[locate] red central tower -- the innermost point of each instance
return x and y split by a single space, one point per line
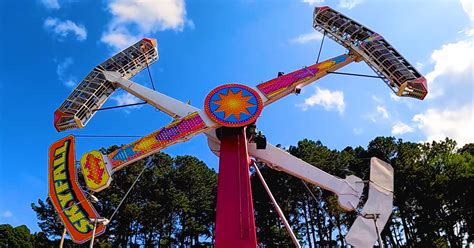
234 106
235 223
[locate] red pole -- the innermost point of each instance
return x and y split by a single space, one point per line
235 223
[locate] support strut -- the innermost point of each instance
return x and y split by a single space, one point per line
235 223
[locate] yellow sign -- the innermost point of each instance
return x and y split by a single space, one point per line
96 171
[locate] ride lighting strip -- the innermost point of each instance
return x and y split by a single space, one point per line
160 139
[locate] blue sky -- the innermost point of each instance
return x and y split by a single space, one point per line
48 46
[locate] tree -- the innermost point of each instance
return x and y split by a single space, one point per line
20 237
48 220
195 186
174 201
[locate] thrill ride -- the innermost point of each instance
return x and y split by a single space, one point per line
228 120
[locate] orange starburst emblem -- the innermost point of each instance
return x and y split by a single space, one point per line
233 105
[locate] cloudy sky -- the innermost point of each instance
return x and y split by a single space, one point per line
48 46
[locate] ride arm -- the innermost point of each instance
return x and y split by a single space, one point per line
94 164
293 82
348 190
164 103
378 207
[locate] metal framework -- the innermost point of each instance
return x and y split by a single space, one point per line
228 120
386 61
94 89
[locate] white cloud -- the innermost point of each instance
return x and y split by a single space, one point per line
132 19
394 97
61 68
70 83
453 123
468 7
452 59
329 100
469 32
127 98
401 128
453 62
63 28
357 131
313 2
376 99
383 112
61 71
349 4
379 115
50 4
305 38
346 4
150 15
7 214
451 114
119 40
419 66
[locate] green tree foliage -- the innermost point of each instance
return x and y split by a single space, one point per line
433 204
20 237
174 201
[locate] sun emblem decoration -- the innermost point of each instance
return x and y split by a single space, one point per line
95 168
233 105
96 174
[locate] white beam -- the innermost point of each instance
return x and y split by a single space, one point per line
168 105
348 190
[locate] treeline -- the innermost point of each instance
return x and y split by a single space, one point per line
173 204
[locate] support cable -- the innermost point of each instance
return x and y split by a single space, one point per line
149 73
147 164
310 191
341 73
145 51
321 46
354 74
314 197
277 208
119 106
133 104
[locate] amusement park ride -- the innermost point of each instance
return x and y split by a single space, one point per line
228 120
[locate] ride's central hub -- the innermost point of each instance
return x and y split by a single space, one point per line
233 105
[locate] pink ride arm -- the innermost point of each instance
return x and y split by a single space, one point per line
177 131
286 84
95 166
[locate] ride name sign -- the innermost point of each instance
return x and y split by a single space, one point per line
66 195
